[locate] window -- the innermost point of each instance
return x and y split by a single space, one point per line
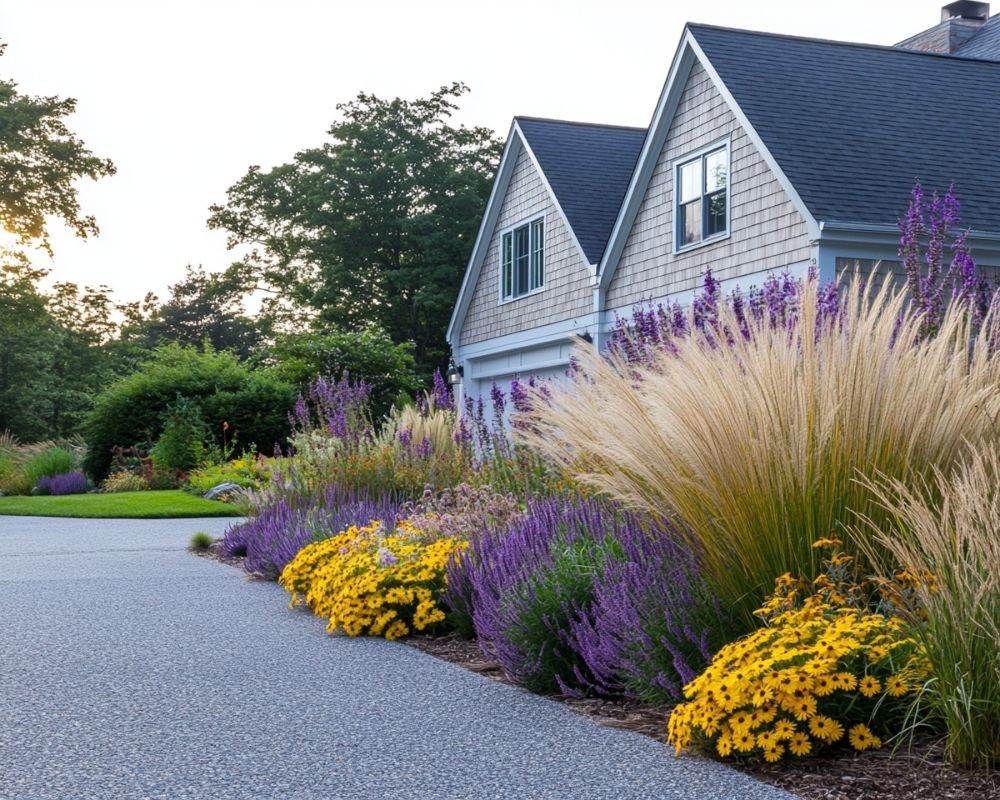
522 259
702 198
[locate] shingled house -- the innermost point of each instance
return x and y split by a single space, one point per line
765 153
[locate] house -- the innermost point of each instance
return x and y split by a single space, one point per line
765 153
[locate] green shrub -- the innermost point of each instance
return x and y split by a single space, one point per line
181 446
48 463
368 355
249 471
12 480
254 404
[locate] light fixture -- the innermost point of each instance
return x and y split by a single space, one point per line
454 373
587 337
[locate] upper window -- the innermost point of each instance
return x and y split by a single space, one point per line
522 259
702 198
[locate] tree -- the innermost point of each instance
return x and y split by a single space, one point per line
28 341
368 355
373 227
202 308
40 158
52 350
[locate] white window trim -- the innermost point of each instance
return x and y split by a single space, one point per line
724 143
543 216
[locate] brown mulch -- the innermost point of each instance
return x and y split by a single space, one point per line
214 553
920 773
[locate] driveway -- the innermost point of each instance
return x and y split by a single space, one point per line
132 669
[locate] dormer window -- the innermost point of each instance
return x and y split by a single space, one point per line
702 196
522 259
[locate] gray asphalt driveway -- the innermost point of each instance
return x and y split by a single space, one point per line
132 669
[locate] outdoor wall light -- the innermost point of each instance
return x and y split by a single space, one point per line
454 373
587 337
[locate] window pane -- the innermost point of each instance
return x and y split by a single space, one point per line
716 171
690 181
522 255
715 214
690 222
506 265
537 253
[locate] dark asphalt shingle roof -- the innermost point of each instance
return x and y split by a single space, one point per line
852 126
986 42
588 167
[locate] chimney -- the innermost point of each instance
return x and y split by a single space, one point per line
960 21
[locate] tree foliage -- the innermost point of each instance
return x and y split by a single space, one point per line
369 354
51 350
40 158
375 226
202 308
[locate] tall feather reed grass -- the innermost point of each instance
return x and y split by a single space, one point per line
951 548
754 448
435 425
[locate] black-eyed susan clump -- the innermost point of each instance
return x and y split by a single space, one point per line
825 669
373 580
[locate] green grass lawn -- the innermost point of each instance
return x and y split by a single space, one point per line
125 505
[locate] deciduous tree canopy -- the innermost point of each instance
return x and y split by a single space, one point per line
39 160
374 226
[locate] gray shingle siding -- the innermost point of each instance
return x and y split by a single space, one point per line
766 230
567 291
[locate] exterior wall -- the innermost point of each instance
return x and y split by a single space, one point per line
885 267
766 231
567 292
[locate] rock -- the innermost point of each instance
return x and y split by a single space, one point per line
223 488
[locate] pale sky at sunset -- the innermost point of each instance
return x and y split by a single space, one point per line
185 96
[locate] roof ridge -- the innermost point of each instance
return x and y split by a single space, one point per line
581 124
861 45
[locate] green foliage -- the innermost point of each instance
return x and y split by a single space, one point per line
54 461
40 161
249 471
131 410
52 359
368 355
203 308
201 541
181 445
374 226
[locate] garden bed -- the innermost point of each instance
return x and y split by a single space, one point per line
918 773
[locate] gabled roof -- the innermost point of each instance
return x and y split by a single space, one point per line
852 126
985 43
588 167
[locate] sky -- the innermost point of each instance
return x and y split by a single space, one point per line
185 96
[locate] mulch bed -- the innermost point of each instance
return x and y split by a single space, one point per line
920 773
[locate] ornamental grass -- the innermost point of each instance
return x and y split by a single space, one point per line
950 547
751 435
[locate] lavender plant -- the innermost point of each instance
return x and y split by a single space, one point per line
65 483
579 596
924 233
280 529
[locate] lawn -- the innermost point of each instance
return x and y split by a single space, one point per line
125 505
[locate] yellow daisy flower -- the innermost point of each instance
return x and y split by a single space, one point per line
861 738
